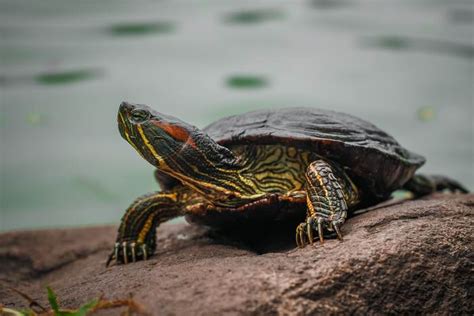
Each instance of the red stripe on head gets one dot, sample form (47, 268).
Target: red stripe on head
(177, 132)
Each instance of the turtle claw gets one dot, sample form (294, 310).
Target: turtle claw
(320, 230)
(126, 252)
(309, 232)
(336, 224)
(300, 235)
(338, 231)
(134, 257)
(113, 254)
(304, 231)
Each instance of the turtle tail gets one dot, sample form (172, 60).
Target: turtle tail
(421, 185)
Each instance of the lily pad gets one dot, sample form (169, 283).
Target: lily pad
(246, 82)
(141, 28)
(65, 77)
(427, 45)
(392, 42)
(328, 4)
(254, 16)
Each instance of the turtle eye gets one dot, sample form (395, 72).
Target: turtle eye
(139, 116)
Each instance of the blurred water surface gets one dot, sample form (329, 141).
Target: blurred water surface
(406, 66)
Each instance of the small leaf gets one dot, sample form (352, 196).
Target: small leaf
(53, 301)
(86, 308)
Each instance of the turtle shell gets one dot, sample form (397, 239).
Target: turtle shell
(373, 159)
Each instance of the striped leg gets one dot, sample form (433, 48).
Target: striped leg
(329, 193)
(136, 239)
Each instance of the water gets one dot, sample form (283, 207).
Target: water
(66, 65)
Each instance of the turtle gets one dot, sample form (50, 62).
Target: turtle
(261, 167)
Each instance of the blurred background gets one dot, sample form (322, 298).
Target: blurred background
(406, 66)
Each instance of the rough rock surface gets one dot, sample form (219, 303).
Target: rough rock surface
(410, 257)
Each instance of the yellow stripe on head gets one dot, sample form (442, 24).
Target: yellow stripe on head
(149, 146)
(127, 136)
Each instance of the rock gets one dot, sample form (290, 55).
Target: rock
(410, 257)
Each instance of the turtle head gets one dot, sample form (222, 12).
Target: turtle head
(157, 137)
(169, 143)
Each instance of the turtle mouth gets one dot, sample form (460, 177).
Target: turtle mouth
(125, 130)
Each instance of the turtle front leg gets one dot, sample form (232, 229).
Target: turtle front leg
(136, 239)
(329, 194)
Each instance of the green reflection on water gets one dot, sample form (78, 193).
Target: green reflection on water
(35, 119)
(426, 113)
(254, 16)
(391, 42)
(66, 77)
(16, 54)
(246, 82)
(143, 28)
(95, 187)
(400, 194)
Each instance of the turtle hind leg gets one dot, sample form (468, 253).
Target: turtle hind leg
(329, 194)
(421, 185)
(136, 238)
